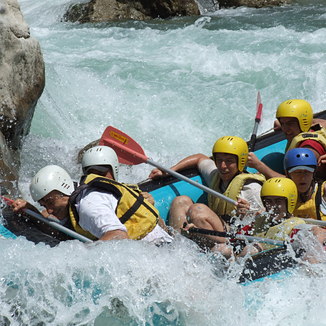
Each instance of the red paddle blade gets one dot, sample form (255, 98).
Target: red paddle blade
(259, 107)
(128, 150)
(8, 201)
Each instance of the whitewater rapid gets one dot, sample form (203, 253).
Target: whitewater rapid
(175, 86)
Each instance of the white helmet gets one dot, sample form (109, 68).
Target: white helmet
(49, 178)
(99, 156)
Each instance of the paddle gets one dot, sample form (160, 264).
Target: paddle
(259, 110)
(50, 222)
(315, 222)
(237, 236)
(131, 153)
(251, 238)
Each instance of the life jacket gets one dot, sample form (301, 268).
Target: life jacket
(223, 208)
(133, 186)
(133, 210)
(311, 207)
(281, 231)
(317, 135)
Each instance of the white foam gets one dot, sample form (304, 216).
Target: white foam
(175, 87)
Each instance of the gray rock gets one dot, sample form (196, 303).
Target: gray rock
(22, 80)
(252, 3)
(111, 10)
(8, 168)
(208, 6)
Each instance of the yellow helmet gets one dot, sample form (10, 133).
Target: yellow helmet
(233, 145)
(299, 109)
(281, 187)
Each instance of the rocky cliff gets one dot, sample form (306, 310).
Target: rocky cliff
(22, 81)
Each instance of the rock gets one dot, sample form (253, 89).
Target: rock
(22, 75)
(108, 10)
(22, 80)
(8, 168)
(171, 8)
(252, 3)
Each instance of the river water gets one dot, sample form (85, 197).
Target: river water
(175, 86)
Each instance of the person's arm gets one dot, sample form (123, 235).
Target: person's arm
(97, 215)
(191, 161)
(322, 160)
(114, 235)
(320, 234)
(255, 163)
(250, 192)
(249, 200)
(242, 207)
(148, 197)
(19, 205)
(320, 122)
(277, 125)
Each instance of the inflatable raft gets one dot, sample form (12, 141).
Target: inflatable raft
(269, 148)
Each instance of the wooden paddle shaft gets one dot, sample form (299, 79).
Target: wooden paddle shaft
(194, 183)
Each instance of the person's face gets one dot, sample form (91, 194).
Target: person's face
(106, 172)
(290, 127)
(56, 204)
(227, 165)
(302, 179)
(275, 206)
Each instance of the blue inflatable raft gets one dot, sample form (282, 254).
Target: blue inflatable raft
(269, 148)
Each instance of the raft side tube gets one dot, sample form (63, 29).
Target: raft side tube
(266, 263)
(169, 188)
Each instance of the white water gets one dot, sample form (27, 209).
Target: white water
(175, 86)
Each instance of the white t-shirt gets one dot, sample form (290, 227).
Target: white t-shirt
(96, 212)
(250, 191)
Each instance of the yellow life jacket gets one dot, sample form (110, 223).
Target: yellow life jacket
(280, 231)
(311, 207)
(223, 208)
(133, 186)
(134, 211)
(318, 135)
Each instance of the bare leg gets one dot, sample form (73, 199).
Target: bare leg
(178, 211)
(203, 217)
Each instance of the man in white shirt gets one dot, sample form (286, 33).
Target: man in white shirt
(101, 208)
(98, 203)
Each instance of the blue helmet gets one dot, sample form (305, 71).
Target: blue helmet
(300, 158)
